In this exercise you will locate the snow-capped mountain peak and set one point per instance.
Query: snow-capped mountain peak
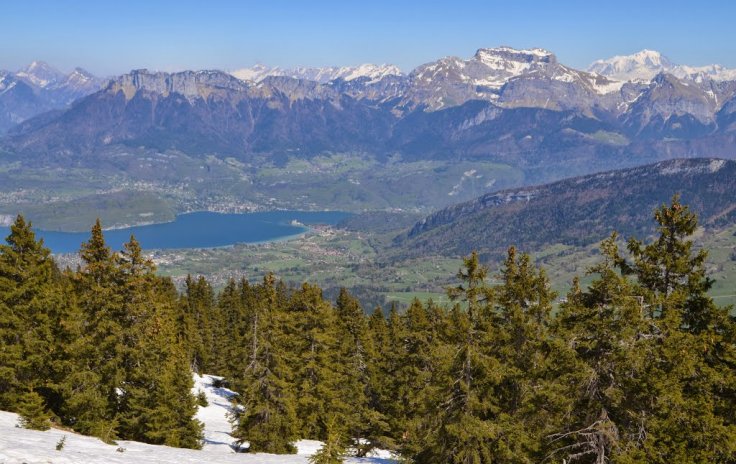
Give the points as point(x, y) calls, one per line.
point(715, 72)
point(646, 64)
point(41, 74)
point(257, 72)
point(322, 75)
point(372, 71)
point(489, 67)
point(639, 67)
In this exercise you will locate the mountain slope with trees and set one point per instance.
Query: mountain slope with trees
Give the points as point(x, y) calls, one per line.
point(578, 211)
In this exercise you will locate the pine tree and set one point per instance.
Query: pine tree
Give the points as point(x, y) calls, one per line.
point(93, 387)
point(458, 429)
point(34, 320)
point(268, 420)
point(33, 412)
point(156, 403)
point(603, 326)
point(333, 450)
point(684, 374)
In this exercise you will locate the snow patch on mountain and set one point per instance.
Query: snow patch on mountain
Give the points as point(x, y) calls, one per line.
point(18, 445)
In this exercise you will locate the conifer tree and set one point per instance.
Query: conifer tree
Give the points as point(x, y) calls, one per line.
point(525, 394)
point(310, 329)
point(688, 333)
point(366, 426)
point(333, 450)
point(380, 392)
point(34, 321)
point(33, 412)
point(92, 389)
point(458, 429)
point(603, 326)
point(418, 364)
point(268, 420)
point(199, 309)
point(157, 405)
point(394, 354)
point(228, 329)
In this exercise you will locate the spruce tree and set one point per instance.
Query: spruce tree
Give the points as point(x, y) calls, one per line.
point(333, 450)
point(199, 310)
point(267, 420)
point(310, 330)
point(366, 426)
point(688, 335)
point(35, 320)
point(156, 402)
point(379, 391)
point(228, 330)
point(603, 326)
point(418, 365)
point(526, 394)
point(458, 429)
point(33, 413)
point(394, 354)
point(93, 387)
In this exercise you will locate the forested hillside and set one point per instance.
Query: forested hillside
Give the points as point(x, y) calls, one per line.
point(640, 366)
point(577, 211)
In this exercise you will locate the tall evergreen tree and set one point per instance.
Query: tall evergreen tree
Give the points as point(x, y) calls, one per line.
point(267, 420)
point(379, 391)
point(229, 329)
point(687, 337)
point(199, 311)
point(365, 425)
point(603, 326)
point(157, 405)
point(34, 320)
point(310, 330)
point(93, 388)
point(458, 429)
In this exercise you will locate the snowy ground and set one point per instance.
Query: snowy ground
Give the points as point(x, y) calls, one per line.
point(19, 445)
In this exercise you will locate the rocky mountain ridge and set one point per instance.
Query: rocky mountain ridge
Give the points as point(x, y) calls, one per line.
point(520, 107)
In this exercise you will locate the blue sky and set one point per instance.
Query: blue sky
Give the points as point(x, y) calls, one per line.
point(114, 37)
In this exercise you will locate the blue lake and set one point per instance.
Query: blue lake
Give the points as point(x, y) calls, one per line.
point(199, 230)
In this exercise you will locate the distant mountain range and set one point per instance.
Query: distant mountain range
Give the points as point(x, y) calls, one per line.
point(38, 88)
point(516, 107)
point(577, 211)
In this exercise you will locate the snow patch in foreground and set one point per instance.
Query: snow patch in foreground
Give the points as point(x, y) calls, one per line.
point(18, 445)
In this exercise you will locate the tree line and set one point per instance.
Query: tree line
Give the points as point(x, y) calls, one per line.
point(637, 366)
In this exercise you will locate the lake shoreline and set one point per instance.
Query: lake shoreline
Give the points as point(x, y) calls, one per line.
point(202, 230)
